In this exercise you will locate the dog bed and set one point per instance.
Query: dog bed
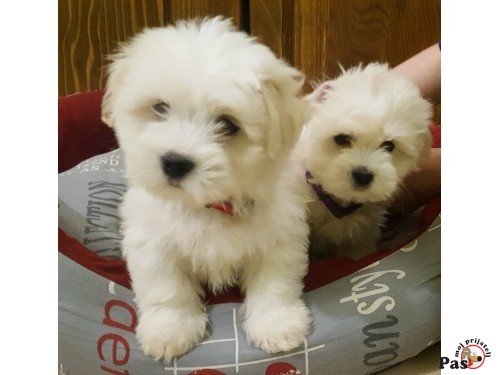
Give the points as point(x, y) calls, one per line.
point(367, 314)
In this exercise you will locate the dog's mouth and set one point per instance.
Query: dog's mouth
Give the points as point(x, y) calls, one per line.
point(233, 207)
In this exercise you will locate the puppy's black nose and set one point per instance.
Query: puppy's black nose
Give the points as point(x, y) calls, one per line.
point(362, 176)
point(175, 165)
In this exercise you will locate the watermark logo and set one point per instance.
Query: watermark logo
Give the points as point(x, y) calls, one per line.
point(475, 356)
point(470, 355)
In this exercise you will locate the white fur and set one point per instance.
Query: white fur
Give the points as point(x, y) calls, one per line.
point(371, 105)
point(174, 245)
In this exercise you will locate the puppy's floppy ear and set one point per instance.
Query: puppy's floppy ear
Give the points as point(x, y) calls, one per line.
point(319, 93)
point(116, 72)
point(281, 87)
point(465, 353)
point(321, 89)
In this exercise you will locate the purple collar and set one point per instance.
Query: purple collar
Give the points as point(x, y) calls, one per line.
point(329, 201)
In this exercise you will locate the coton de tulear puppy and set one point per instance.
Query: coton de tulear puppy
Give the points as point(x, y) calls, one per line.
point(368, 129)
point(207, 117)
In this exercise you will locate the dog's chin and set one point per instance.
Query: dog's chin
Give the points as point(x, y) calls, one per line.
point(363, 196)
point(226, 201)
point(349, 193)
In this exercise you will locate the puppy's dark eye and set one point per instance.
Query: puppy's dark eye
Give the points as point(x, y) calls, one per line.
point(343, 140)
point(160, 109)
point(388, 146)
point(227, 126)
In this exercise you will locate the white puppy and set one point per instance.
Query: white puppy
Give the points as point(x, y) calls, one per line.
point(207, 118)
point(368, 130)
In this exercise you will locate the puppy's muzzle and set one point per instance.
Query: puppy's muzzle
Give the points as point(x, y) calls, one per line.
point(362, 177)
point(176, 166)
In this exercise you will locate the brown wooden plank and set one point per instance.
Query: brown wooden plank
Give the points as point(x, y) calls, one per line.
point(185, 9)
point(89, 30)
point(310, 31)
point(328, 32)
point(266, 23)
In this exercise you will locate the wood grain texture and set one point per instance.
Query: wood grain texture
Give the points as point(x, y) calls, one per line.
point(310, 24)
point(268, 24)
point(349, 32)
point(183, 9)
point(89, 30)
point(313, 35)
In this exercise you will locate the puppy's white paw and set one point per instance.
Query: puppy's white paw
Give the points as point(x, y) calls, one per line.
point(280, 328)
point(168, 333)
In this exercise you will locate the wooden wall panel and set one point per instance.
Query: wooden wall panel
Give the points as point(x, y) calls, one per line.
point(89, 30)
point(317, 35)
point(310, 24)
point(328, 32)
point(183, 9)
point(313, 35)
point(268, 23)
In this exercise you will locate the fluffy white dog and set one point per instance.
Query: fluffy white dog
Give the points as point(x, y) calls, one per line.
point(368, 130)
point(207, 118)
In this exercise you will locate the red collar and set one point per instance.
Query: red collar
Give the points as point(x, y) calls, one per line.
point(224, 207)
